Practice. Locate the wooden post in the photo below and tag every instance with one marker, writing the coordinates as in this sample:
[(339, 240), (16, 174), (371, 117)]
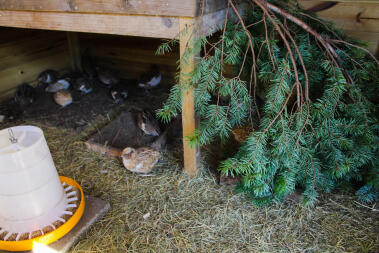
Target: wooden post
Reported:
[(74, 49), (191, 154)]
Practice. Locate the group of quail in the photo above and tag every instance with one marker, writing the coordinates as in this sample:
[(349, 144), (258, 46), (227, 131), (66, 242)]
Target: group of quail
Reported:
[(139, 160), (85, 83), (143, 159)]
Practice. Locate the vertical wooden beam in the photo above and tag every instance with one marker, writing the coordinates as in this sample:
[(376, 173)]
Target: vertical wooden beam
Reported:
[(191, 154), (74, 49)]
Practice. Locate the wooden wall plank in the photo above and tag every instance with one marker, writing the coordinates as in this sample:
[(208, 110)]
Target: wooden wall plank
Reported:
[(130, 56), (354, 17), (371, 38), (210, 6), (191, 154), (136, 7), (12, 61), (24, 54), (210, 22), (350, 16), (28, 71), (145, 26), (174, 8), (11, 54), (74, 50)]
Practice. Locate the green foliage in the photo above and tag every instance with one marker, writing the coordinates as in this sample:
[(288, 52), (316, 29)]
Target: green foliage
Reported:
[(320, 144)]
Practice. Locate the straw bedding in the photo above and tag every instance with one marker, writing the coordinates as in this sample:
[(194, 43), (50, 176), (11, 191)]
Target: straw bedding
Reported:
[(170, 212)]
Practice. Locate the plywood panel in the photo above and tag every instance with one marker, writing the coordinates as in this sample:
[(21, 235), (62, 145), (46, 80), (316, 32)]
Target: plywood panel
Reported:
[(145, 26)]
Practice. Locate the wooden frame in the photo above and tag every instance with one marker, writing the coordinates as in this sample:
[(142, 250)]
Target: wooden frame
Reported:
[(144, 26), (183, 8), (119, 17), (187, 39), (74, 49)]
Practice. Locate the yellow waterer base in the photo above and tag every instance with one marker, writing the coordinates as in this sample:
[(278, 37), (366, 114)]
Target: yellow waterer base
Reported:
[(53, 235)]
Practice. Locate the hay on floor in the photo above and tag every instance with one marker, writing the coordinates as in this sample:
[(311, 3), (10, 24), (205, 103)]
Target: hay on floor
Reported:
[(170, 212)]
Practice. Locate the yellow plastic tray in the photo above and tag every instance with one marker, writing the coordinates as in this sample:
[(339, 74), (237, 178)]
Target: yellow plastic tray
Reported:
[(53, 235)]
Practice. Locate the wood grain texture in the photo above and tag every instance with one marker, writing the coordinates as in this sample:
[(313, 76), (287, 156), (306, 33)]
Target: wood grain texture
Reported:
[(356, 16), (211, 22), (74, 50), (21, 51), (130, 56), (24, 54), (29, 71), (191, 154), (141, 7), (360, 19), (145, 26), (174, 8)]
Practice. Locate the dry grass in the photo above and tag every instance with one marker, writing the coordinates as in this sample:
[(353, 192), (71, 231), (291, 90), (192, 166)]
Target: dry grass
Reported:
[(197, 215)]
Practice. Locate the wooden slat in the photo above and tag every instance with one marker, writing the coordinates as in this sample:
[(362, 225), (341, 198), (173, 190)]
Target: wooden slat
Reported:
[(28, 71), (127, 55), (133, 70), (14, 60), (359, 19), (131, 56), (191, 154), (24, 54), (174, 8), (30, 45), (371, 38), (141, 7), (210, 6), (211, 22), (74, 50), (145, 26), (350, 16)]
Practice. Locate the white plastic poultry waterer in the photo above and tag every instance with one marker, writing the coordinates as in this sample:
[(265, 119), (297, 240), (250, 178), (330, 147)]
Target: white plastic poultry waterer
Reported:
[(36, 205)]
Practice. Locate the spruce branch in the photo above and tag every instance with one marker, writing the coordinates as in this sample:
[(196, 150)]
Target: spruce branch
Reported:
[(304, 89)]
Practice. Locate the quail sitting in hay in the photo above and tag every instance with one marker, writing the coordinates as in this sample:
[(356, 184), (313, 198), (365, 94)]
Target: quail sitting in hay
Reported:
[(118, 93), (63, 98), (25, 95), (61, 84), (107, 77), (48, 76), (150, 79), (241, 133), (83, 85), (141, 160), (147, 123)]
